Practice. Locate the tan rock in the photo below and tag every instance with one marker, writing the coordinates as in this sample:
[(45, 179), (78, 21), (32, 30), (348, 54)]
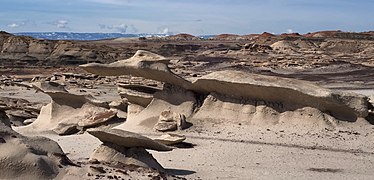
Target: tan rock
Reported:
[(23, 157), (127, 139), (170, 121), (176, 99), (119, 104), (292, 93), (66, 129), (112, 153), (170, 139), (97, 117), (137, 94), (142, 64), (70, 110)]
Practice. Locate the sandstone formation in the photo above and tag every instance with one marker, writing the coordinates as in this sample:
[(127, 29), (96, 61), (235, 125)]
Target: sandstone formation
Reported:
[(23, 157), (175, 99), (230, 95), (127, 148), (67, 113), (128, 139), (137, 94), (144, 64), (115, 154), (289, 94)]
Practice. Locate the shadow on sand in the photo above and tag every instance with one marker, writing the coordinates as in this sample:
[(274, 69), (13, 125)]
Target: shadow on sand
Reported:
[(179, 172)]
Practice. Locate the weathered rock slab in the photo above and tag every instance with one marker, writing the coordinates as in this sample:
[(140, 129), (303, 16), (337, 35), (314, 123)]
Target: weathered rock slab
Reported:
[(127, 139)]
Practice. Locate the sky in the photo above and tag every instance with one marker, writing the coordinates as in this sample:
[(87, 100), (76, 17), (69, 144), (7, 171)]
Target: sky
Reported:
[(198, 17)]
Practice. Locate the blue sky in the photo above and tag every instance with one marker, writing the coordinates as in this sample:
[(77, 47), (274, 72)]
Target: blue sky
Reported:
[(197, 17)]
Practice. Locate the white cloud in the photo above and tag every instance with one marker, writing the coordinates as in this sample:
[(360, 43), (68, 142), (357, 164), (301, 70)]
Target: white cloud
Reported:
[(122, 28), (13, 25), (164, 31), (290, 31), (62, 24)]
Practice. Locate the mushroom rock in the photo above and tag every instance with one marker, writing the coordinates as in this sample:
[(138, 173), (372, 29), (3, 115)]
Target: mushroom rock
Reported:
[(142, 64), (67, 111), (127, 148), (112, 153)]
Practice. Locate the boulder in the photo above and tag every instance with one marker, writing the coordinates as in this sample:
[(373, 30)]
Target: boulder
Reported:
[(170, 121), (121, 105), (66, 129)]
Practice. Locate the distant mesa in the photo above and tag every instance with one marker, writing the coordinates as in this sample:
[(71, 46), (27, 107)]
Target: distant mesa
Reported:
[(322, 33), (182, 37), (290, 35), (225, 37), (266, 34)]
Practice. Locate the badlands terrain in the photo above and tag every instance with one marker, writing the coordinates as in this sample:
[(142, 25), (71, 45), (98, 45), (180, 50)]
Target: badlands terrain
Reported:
[(258, 106)]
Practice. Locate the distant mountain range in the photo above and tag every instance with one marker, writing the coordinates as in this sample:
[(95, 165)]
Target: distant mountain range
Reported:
[(85, 36)]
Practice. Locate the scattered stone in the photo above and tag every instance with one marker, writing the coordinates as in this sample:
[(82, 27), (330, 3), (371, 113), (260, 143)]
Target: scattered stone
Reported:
[(66, 129), (170, 139), (119, 104), (170, 121), (29, 121)]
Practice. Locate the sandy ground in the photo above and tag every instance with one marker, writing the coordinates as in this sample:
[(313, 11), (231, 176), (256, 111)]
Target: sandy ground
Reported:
[(231, 153)]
